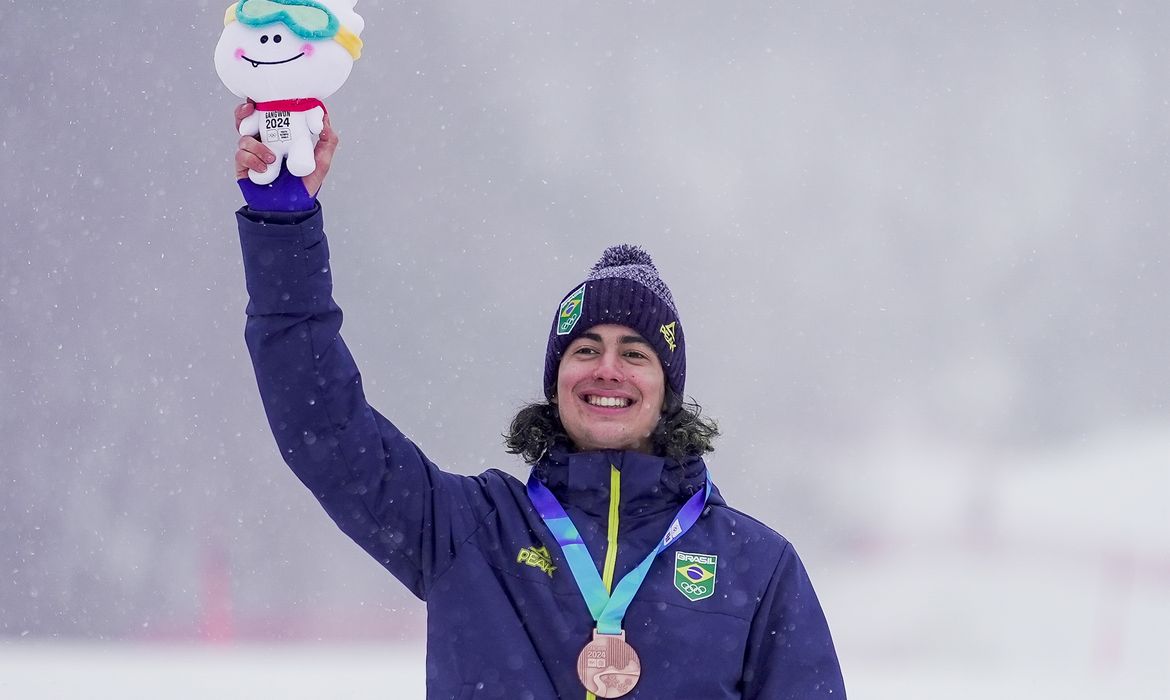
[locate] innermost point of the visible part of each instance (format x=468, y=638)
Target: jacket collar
x=649, y=483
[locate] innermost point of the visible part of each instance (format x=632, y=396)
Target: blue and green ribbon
x=607, y=609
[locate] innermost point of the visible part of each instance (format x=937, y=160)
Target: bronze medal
x=608, y=666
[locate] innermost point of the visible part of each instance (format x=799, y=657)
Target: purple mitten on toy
x=286, y=193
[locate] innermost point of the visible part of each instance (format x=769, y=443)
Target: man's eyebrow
x=624, y=340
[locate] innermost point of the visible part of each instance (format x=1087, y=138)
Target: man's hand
x=254, y=155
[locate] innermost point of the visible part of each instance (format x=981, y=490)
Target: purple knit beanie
x=622, y=288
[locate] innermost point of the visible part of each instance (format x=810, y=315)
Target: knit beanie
x=623, y=288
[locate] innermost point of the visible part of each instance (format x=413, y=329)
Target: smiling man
x=616, y=570
x=611, y=385
x=609, y=377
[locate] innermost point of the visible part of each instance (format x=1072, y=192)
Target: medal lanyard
x=607, y=609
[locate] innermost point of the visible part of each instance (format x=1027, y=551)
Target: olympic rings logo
x=691, y=588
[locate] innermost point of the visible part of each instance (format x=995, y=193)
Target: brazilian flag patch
x=570, y=311
x=694, y=574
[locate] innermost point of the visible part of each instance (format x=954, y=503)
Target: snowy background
x=920, y=250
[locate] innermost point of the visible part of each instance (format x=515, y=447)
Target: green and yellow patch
x=694, y=574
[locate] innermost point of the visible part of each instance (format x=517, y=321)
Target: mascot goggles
x=309, y=20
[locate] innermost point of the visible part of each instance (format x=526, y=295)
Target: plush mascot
x=287, y=56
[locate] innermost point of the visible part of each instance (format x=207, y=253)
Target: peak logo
x=667, y=332
x=537, y=558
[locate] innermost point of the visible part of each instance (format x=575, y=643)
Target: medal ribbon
x=607, y=609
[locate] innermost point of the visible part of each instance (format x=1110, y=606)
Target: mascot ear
x=353, y=20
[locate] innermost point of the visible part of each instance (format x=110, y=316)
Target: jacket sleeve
x=790, y=652
x=378, y=487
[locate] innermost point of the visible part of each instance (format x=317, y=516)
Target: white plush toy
x=287, y=56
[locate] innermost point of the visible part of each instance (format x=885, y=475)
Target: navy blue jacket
x=505, y=617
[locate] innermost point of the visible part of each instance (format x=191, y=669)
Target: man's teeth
x=255, y=64
x=608, y=401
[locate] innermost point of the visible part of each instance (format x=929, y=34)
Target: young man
x=617, y=570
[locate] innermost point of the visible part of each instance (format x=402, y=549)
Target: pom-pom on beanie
x=623, y=288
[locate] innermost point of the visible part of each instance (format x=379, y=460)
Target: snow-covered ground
x=130, y=672
x=1039, y=574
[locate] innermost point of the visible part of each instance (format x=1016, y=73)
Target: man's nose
x=609, y=368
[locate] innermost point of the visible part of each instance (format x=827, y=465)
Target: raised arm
x=374, y=482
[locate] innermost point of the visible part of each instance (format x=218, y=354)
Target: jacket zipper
x=611, y=546
x=611, y=537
